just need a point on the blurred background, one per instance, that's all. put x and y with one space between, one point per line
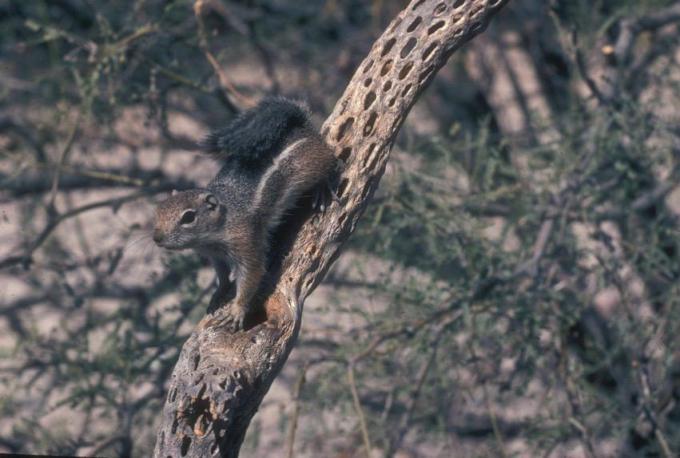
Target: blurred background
512 290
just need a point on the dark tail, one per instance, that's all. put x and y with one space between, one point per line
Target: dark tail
258 134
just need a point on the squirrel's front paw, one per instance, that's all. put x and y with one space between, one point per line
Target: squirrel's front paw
234 317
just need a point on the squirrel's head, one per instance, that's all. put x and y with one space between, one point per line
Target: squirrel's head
189 219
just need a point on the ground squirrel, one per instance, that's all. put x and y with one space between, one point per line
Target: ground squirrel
271 155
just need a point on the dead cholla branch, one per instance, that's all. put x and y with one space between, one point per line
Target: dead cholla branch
361 130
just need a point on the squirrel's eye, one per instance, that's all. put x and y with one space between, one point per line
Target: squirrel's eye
188 217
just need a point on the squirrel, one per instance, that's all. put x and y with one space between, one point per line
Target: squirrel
271 155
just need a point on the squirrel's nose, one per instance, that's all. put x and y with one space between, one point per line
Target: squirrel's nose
157 236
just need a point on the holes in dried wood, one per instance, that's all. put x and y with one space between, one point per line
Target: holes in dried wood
439 9
173 395
197 359
368 156
367 82
367 189
370 123
414 25
370 149
406 69
388 47
342 219
345 153
396 24
458 3
200 425
368 101
186 443
430 49
424 75
417 5
312 250
387 86
344 127
343 106
408 47
391 102
368 66
342 187
374 161
436 26
406 89
387 66
175 424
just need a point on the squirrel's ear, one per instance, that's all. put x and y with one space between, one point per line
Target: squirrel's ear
212 202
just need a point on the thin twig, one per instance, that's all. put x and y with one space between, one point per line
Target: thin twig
629 31
228 88
583 70
55 220
643 379
494 422
357 407
296 411
62 160
396 439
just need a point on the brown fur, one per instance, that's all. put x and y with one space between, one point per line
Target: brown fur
235 234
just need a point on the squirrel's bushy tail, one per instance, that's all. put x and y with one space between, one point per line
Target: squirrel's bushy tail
258 134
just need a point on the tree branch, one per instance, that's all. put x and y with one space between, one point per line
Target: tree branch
629 30
220 378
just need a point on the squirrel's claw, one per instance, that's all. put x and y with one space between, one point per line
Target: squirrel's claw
324 196
234 318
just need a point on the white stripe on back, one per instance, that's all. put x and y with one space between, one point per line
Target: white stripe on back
257 199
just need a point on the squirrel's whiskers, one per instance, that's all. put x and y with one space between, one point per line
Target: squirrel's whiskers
139 242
